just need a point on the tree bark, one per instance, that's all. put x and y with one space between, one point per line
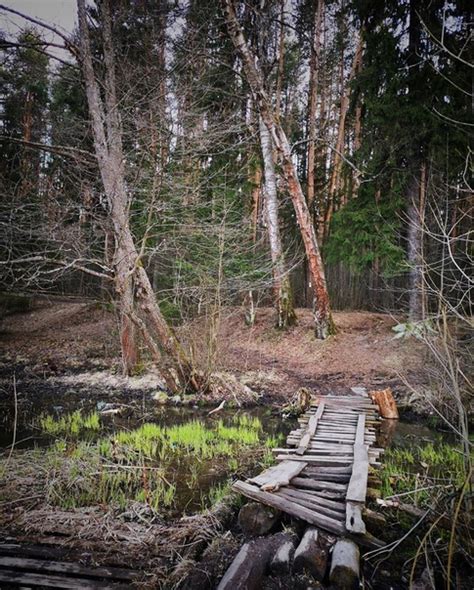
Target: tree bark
313 100
283 297
415 213
131 280
339 149
322 314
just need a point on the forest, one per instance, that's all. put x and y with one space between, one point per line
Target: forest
216 218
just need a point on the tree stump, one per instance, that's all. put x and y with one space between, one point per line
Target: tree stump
282 560
256 519
386 403
311 556
344 573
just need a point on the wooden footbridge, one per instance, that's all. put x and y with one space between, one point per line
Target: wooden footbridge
321 476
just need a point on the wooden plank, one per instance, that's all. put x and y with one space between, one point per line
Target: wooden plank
360 430
330 438
319 520
354 522
23 578
278 475
64 567
334 477
312 484
295 434
309 433
311 451
357 489
314 469
307 503
336 505
312 459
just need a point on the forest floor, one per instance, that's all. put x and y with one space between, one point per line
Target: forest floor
79 340
65 356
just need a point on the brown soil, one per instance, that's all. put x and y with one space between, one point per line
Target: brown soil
60 335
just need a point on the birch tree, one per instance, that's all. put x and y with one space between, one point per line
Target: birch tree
283 298
322 314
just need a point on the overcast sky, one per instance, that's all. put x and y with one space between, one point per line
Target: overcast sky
60 13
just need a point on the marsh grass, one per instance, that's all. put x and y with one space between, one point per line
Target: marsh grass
151 464
71 425
419 473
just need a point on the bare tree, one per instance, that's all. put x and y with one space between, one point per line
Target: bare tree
322 314
132 285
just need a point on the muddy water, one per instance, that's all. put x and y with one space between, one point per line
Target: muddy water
123 411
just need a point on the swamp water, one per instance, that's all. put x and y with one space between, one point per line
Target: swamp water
173 460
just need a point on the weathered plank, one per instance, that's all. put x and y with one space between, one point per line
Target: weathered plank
301 500
24 578
354 521
336 505
325 522
64 567
312 484
278 475
309 432
314 469
312 458
357 489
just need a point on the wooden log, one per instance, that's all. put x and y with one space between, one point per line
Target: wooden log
248 568
278 475
344 572
311 556
290 508
256 519
386 403
311 484
282 560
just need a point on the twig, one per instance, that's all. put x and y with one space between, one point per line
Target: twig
14 420
453 528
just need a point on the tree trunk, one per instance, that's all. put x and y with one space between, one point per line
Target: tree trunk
313 100
322 314
281 62
281 282
415 214
339 149
131 280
